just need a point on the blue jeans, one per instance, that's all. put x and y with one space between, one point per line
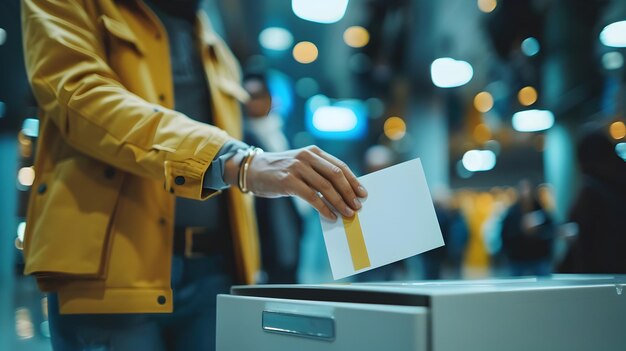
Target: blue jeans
191 326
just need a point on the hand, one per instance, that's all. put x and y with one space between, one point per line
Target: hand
307 173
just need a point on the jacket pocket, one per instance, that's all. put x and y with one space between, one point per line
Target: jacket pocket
119 33
68 227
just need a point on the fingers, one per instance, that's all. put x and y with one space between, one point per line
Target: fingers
326 188
347 172
341 177
308 173
333 184
311 196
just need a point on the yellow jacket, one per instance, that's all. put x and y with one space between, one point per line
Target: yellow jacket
112 153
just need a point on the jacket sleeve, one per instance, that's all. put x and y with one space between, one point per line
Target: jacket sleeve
96 114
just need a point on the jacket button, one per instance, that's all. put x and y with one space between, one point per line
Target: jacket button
109 172
180 180
157 36
42 188
161 300
161 97
162 221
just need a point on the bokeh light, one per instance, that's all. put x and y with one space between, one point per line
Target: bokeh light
378 157
447 72
612 60
487 6
530 46
533 120
356 36
305 52
276 38
3 36
527 96
483 101
26 176
620 149
479 160
395 128
617 130
334 119
30 127
321 11
21 229
281 89
614 35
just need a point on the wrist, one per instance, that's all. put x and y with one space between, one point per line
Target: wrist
231 167
242 176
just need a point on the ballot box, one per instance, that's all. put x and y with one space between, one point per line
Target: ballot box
528 314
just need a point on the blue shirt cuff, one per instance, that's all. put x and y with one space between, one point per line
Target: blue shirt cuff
214 176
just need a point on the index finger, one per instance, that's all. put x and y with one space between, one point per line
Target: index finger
354 182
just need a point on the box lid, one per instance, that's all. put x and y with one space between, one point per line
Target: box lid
420 293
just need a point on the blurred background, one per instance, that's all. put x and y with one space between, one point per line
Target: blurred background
515 107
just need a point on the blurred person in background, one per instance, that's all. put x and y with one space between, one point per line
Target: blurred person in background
140 117
492 229
455 235
433 260
457 238
280 224
599 209
528 234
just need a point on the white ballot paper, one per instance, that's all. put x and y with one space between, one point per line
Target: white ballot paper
397 221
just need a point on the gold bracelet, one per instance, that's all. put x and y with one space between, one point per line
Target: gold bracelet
240 171
243 186
242 176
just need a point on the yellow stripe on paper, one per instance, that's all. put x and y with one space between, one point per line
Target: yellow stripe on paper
356 243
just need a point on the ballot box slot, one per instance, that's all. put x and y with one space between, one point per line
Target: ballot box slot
335 295
315 327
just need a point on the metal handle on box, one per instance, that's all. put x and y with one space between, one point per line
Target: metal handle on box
316 327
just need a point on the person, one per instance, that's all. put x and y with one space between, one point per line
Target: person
139 110
433 260
599 210
279 221
447 259
528 234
